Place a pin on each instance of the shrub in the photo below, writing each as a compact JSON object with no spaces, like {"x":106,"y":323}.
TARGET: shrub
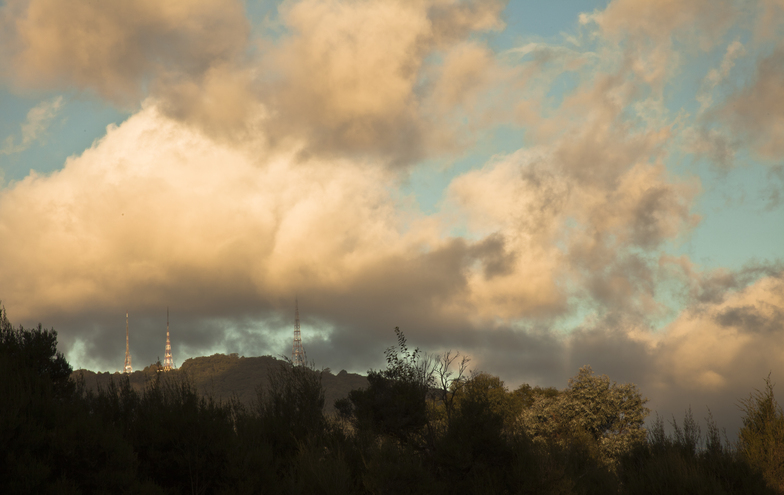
{"x":761,"y":439}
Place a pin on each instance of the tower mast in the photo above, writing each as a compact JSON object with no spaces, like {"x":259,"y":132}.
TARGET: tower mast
{"x":168,"y":362}
{"x":128,"y":368}
{"x":297,"y":352}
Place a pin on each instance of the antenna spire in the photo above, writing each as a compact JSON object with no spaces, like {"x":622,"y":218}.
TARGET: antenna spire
{"x":128,"y":368}
{"x":297,"y":352}
{"x":168,"y":362}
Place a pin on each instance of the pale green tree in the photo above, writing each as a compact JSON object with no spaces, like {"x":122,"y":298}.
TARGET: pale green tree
{"x":761,"y":440}
{"x":605,"y":416}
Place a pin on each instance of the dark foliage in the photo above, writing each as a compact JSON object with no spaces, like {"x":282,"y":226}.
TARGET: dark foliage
{"x":401,"y":434}
{"x":50,"y":440}
{"x":34,"y":352}
{"x":685,"y":462}
{"x":395,"y":402}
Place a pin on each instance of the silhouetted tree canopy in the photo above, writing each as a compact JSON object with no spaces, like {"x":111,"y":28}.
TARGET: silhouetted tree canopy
{"x":418,"y":427}
{"x":34,"y":350}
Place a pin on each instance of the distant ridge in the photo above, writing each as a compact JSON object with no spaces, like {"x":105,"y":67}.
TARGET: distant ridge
{"x":224,"y":377}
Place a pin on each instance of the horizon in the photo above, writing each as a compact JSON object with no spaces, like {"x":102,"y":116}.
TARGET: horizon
{"x":537,"y":186}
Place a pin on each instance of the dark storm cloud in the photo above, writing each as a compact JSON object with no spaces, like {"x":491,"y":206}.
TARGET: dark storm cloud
{"x":647,"y":224}
{"x":713,"y":287}
{"x":620,"y":281}
{"x":752,"y":319}
{"x":495,"y":259}
{"x":609,"y":350}
{"x":409,"y":292}
{"x":516,"y":355}
{"x":97,"y":339}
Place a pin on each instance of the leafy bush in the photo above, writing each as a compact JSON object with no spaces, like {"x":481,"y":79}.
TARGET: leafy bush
{"x":606,"y":417}
{"x":762,"y":436}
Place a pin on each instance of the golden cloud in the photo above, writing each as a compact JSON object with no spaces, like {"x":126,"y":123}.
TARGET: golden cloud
{"x":114,"y":48}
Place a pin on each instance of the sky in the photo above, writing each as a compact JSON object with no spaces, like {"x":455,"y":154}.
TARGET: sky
{"x":537,"y":185}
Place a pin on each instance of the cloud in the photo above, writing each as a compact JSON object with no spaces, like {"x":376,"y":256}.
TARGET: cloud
{"x":347,"y":78}
{"x":719,"y":75}
{"x":162,"y":200}
{"x":347,"y":74}
{"x":712,"y":286}
{"x":341,"y":78}
{"x":747,"y":118}
{"x":770,"y":18}
{"x":342,"y":90}
{"x":469,"y":72}
{"x":750,"y":318}
{"x":38,"y":120}
{"x":557,"y":228}
{"x":754,"y":112}
{"x":648,"y":31}
{"x":661,"y":20}
{"x":157,"y":213}
{"x":774,"y":190}
{"x":593,"y":202}
{"x":114,"y":49}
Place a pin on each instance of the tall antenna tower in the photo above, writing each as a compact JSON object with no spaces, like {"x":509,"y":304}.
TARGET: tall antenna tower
{"x":168,"y":362}
{"x":297,"y":352}
{"x":128,"y":368}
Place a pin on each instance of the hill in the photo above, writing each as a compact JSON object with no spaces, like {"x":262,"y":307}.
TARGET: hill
{"x":224,"y":377}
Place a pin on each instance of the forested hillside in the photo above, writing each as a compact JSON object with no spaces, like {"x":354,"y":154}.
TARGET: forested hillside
{"x":227,"y":377}
{"x":424,"y":424}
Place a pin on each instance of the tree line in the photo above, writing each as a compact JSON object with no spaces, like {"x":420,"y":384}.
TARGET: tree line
{"x":424,"y":424}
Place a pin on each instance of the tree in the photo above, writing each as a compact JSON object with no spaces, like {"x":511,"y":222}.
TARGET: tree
{"x":490,"y":391}
{"x":51,"y":439}
{"x":35,"y":351}
{"x":761,"y":439}
{"x":449,"y":387}
{"x":292,"y":407}
{"x":395,"y":401}
{"x":592,"y":409}
{"x":477,"y":438}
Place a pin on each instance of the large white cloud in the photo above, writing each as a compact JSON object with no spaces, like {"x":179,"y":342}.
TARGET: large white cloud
{"x":155,"y":207}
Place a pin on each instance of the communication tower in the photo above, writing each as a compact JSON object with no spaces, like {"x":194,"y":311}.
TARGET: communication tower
{"x":168,"y":362}
{"x":298,"y":352}
{"x":128,"y":368}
